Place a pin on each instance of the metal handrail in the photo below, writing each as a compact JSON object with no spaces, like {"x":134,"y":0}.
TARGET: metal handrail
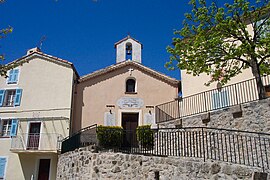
{"x":234,"y":94}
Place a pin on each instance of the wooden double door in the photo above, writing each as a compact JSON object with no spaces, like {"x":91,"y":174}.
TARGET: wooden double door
{"x":129,"y":124}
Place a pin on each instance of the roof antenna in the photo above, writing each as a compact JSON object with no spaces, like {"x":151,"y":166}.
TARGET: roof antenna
{"x":42,"y":39}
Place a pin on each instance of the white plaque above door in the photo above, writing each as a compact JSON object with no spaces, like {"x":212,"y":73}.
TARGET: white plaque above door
{"x":128,"y":102}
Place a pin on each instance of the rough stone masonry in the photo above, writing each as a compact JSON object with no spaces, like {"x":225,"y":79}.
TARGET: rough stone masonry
{"x":84,"y":164}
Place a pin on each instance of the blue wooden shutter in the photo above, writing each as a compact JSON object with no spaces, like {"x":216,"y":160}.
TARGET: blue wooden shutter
{"x":18,"y":96}
{"x":2,"y":95}
{"x":215,"y":100}
{"x":3,"y":162}
{"x":15,"y":75}
{"x":224,"y":99}
{"x":220,"y":99}
{"x":14,"y":125}
{"x":10,"y":76}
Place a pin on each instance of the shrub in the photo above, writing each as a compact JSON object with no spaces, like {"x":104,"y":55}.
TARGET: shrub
{"x":110,"y":136}
{"x":145,"y":136}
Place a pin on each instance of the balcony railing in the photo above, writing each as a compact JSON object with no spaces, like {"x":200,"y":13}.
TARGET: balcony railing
{"x":227,"y":96}
{"x":85,"y":137}
{"x":36,"y":142}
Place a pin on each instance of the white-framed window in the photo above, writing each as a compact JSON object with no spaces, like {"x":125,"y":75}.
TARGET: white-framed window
{"x":3,"y":165}
{"x":265,"y":27}
{"x":8,"y":127}
{"x":5,"y":127}
{"x":220,"y":99}
{"x":13,"y":76}
{"x":131,"y":85}
{"x":10,"y":97}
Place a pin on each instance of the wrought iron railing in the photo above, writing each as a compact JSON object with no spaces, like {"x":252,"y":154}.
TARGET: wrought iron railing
{"x":227,"y":96}
{"x":82,"y":138}
{"x":233,"y":146}
{"x":36,"y":142}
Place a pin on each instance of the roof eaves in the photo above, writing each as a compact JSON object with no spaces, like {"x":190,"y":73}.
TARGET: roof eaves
{"x":126,"y":63}
{"x":56,"y":59}
{"x":128,"y":37}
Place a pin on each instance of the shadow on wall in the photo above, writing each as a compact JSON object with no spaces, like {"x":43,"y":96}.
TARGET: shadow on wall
{"x":27,"y":165}
{"x":53,"y":126}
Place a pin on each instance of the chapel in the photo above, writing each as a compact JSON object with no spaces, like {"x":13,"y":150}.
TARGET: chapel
{"x":123,"y":94}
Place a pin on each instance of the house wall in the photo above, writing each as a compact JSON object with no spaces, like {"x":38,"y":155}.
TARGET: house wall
{"x":196,"y":84}
{"x":93,"y":95}
{"x":46,"y":98}
{"x":46,"y":86}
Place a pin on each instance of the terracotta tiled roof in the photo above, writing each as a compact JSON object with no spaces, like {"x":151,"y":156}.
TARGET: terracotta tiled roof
{"x":129,"y":63}
{"x":51,"y":58}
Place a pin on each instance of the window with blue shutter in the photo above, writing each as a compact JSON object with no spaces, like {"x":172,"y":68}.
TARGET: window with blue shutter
{"x":265,"y":27}
{"x":3,"y":162}
{"x":13,"y":76}
{"x":2,"y":95}
{"x":10,"y":76}
{"x":14,"y":125}
{"x":220,"y":99}
{"x":18,"y":96}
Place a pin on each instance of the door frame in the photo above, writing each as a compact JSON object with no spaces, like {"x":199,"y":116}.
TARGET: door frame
{"x":37,"y":165}
{"x":27,"y":132}
{"x":131,"y":111}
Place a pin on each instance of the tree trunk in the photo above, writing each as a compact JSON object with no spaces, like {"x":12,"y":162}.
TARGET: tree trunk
{"x":256,"y":73}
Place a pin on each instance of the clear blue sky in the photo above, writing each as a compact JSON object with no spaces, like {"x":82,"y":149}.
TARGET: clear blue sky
{"x":84,"y":31}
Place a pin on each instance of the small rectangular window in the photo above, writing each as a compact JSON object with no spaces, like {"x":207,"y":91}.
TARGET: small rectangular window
{"x":220,"y":99}
{"x":13,"y":76}
{"x":264,"y":27}
{"x":9,"y":97}
{"x":5,"y":127}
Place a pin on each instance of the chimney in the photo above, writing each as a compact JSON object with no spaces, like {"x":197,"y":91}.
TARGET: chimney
{"x":32,"y":50}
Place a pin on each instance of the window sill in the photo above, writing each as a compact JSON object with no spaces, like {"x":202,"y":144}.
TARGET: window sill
{"x":130,"y":92}
{"x":5,"y":137}
{"x":12,"y":83}
{"x":8,"y":106}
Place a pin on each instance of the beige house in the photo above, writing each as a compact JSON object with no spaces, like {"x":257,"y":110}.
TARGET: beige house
{"x":195,"y":84}
{"x":35,"y":111}
{"x":123,"y":94}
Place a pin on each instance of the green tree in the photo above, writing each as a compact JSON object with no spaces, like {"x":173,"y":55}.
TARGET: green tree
{"x":3,"y":32}
{"x":4,"y":68}
{"x":215,"y":40}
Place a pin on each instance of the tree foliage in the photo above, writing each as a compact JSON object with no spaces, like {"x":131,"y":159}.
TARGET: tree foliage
{"x":222,"y":41}
{"x":3,"y":33}
{"x":4,"y":68}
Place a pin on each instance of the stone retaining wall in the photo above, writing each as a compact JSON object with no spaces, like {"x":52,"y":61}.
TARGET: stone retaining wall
{"x":254,"y":116}
{"x":85,"y":164}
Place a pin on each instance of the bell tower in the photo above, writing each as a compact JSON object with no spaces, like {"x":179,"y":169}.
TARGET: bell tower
{"x":128,"y":49}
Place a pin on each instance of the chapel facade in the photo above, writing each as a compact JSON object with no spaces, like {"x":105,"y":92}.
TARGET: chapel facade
{"x":124,"y":94}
